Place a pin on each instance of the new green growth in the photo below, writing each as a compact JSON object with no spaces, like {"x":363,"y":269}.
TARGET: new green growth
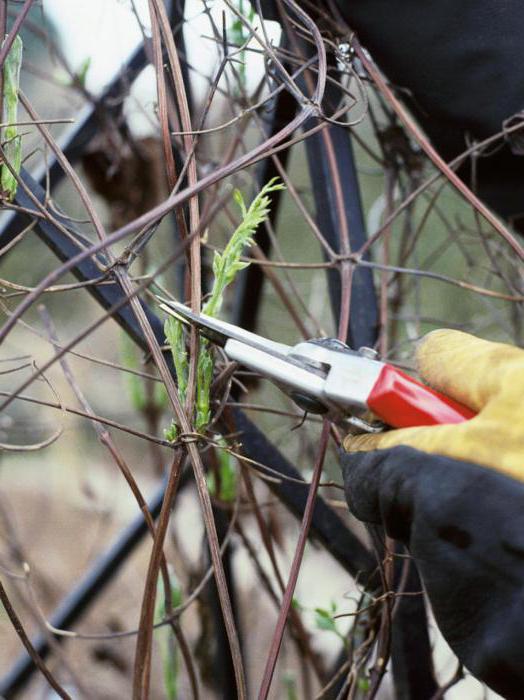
{"x":11,"y":141}
{"x":226,"y":266}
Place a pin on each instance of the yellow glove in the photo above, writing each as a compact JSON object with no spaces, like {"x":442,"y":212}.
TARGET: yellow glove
{"x":454,"y":496}
{"x":485,"y":376}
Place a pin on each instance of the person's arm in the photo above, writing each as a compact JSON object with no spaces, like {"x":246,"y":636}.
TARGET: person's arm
{"x":454,"y":495}
{"x":459,"y":66}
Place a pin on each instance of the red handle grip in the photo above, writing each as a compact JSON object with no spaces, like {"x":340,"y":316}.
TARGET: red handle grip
{"x":402,"y":402}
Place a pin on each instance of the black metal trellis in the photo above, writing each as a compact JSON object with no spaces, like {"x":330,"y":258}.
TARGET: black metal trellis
{"x":327,"y":526}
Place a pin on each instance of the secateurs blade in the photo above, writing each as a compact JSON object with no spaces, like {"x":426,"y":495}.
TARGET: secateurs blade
{"x":327,"y":377}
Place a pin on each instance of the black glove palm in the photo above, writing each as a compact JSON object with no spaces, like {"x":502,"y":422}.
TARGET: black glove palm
{"x":471,"y":563}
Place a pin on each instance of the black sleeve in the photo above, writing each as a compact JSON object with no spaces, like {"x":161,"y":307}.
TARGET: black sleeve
{"x":464,"y":526}
{"x":459,"y":66}
{"x":463,"y":65}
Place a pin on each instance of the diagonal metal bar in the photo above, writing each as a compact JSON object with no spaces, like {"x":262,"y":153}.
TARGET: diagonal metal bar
{"x":338,"y":204}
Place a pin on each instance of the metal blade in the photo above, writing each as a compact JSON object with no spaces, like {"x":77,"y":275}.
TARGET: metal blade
{"x":219,"y":332}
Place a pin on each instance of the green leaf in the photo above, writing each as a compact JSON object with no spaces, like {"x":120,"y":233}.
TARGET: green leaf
{"x":204,"y":379}
{"x":239,"y":199}
{"x":324,"y":620}
{"x":171,"y":433}
{"x":217,"y":262}
{"x":168,"y":647}
{"x":363,"y":684}
{"x":227,"y":265}
{"x":236,"y":267}
{"x":11,"y":142}
{"x":173,"y":328}
{"x":81,"y":74}
{"x":227,"y":477}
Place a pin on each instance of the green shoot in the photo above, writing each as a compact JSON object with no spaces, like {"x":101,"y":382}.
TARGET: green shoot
{"x":203,"y":390}
{"x":168,"y":648}
{"x":226,"y":266}
{"x":175,"y":337}
{"x":325,"y":620}
{"x":226,"y":488}
{"x":81,"y":74}
{"x":11,"y":142}
{"x":171,"y":433}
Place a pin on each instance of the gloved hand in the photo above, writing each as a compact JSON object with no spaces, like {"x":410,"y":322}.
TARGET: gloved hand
{"x":454,"y":495}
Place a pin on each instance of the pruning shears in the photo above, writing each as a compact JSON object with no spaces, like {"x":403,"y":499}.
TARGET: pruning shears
{"x":325,"y":376}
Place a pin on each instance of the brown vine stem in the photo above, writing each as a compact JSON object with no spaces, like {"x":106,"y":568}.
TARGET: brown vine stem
{"x":106,"y":439}
{"x":162,"y":97}
{"x":3,"y":30}
{"x":345,"y":268}
{"x":37,"y":659}
{"x":476,"y":148}
{"x":298,"y":630}
{"x":145,"y":634}
{"x":432,"y":154}
{"x":92,"y":417}
{"x":194,"y":214}
{"x":66,"y":166}
{"x":357,"y":261}
{"x":177,"y":612}
{"x":295,"y":567}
